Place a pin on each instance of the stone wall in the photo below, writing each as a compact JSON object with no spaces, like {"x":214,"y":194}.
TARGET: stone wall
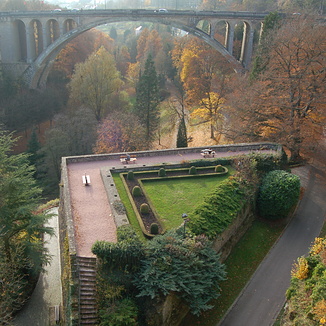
{"x":225,"y":242}
{"x":218,"y":148}
{"x":69,"y":267}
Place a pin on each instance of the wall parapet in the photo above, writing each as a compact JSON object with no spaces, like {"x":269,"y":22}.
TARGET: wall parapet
{"x":217,"y":148}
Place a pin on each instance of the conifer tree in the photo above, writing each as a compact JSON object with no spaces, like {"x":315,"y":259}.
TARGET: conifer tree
{"x":147,"y":100}
{"x":182,"y":134}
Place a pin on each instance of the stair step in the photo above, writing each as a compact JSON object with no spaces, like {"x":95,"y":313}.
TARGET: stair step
{"x":88,"y":303}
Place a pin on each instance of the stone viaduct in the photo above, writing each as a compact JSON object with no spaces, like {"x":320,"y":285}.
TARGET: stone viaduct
{"x":30,"y":41}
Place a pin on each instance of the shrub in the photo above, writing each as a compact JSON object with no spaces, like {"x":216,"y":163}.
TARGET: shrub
{"x":190,"y":267}
{"x":136,"y":191}
{"x":219,"y":168}
{"x":193,"y":170}
{"x":278,"y":193}
{"x":218,"y":210}
{"x":154,"y":228}
{"x":162,"y":172}
{"x":120,"y":313}
{"x":144,"y":208}
{"x":130,"y":175}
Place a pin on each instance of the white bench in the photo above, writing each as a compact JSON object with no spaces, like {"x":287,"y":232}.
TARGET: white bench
{"x":86,"y":180}
{"x":208,"y":154}
{"x":131,"y":160}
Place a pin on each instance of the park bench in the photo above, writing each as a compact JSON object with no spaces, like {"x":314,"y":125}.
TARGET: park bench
{"x":132,"y":159}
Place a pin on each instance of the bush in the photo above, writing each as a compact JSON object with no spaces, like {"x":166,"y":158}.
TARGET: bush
{"x":154,"y":228}
{"x":193,"y":170}
{"x":278,"y":193}
{"x":119,"y":313}
{"x":136,"y":191}
{"x":189,"y":267}
{"x":219,"y":168}
{"x":144,"y":208}
{"x":218,"y":210}
{"x":130,"y":175}
{"x":162,"y":172}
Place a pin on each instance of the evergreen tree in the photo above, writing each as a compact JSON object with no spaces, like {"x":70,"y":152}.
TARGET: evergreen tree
{"x":182,"y":134}
{"x":19,"y":199}
{"x":147,"y":100}
{"x":33,"y":148}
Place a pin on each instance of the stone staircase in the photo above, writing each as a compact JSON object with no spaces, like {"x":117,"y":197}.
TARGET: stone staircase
{"x":87,"y":294}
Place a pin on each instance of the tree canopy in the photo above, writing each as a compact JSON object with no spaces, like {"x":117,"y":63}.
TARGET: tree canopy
{"x":94,"y":81}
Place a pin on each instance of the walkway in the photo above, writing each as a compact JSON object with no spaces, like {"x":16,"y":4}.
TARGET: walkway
{"x":262,"y":299}
{"x":48,"y":289}
{"x":90,"y":208}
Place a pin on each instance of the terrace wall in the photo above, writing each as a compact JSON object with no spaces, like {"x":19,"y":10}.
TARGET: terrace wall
{"x":68,"y":249}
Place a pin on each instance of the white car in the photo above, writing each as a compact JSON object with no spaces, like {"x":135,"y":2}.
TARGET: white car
{"x":162,"y":11}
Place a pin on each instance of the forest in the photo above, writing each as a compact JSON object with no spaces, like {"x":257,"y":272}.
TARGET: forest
{"x":131,"y":86}
{"x":142,"y":86}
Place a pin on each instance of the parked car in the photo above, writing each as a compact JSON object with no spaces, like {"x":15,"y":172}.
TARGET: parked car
{"x":163,"y":11}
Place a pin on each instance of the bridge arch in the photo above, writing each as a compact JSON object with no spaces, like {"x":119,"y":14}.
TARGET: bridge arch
{"x":20,"y":33}
{"x":30,"y":41}
{"x":42,"y":65}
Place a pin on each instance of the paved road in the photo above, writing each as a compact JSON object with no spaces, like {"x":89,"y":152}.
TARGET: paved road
{"x":48,"y":289}
{"x":262,"y":299}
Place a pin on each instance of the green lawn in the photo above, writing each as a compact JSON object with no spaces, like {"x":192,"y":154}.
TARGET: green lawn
{"x":241,"y":264}
{"x":172,"y":198}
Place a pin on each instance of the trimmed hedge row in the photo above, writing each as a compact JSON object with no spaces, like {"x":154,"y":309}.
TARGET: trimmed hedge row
{"x":218,"y":210}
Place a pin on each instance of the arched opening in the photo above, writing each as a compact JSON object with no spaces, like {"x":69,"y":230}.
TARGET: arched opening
{"x":204,"y":26}
{"x":238,"y":40}
{"x":22,"y":44}
{"x":220,"y":31}
{"x":35,"y":36}
{"x":68,"y":25}
{"x":53,"y":30}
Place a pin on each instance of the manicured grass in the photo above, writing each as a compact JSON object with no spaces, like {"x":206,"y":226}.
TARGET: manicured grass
{"x":126,"y":202}
{"x":241,"y":264}
{"x":172,"y":198}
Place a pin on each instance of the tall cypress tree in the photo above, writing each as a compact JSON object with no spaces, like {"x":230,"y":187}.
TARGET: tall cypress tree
{"x":147,"y":100}
{"x":182,"y":134}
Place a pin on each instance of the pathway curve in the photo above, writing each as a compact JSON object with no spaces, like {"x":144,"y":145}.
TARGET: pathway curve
{"x":261,"y":301}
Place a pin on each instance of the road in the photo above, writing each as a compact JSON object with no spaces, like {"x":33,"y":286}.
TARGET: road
{"x":261,"y":301}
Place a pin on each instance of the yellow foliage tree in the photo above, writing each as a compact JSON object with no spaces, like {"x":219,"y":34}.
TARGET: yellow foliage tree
{"x":94,"y":81}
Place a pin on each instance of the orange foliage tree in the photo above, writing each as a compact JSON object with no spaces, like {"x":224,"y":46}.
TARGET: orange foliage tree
{"x":119,"y":133}
{"x":286,"y":103}
{"x":80,"y":48}
{"x":203,"y":73}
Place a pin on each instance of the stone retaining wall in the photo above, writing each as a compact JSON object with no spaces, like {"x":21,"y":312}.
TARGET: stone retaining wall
{"x":69,"y":266}
{"x":68,"y":245}
{"x":218,"y":149}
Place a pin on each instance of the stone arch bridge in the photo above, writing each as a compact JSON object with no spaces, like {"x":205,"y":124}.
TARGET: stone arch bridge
{"x":30,"y":41}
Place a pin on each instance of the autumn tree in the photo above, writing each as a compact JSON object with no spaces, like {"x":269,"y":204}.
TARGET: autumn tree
{"x":287,"y":102}
{"x":94,"y":82}
{"x":73,"y":133}
{"x":147,"y":100}
{"x":120,"y":132}
{"x":203,"y":76}
{"x":79,"y":49}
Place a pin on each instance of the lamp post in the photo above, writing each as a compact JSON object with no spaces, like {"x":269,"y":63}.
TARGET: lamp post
{"x":185,"y":220}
